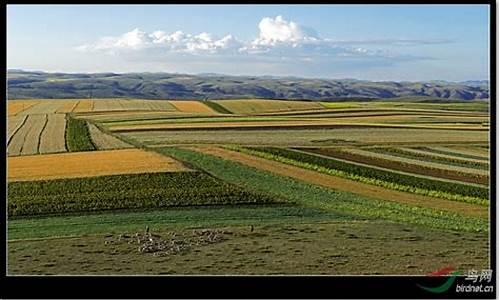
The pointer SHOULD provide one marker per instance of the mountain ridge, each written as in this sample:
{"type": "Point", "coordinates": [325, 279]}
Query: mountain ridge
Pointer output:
{"type": "Point", "coordinates": [37, 84]}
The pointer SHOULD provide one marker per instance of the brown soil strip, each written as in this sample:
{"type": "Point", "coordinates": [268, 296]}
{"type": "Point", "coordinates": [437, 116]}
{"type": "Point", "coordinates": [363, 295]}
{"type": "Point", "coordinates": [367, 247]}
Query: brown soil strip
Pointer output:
{"type": "Point", "coordinates": [344, 184]}
{"type": "Point", "coordinates": [400, 166]}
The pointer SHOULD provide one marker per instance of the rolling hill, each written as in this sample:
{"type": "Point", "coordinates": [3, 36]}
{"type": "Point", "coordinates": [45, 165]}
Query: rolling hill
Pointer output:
{"type": "Point", "coordinates": [25, 85]}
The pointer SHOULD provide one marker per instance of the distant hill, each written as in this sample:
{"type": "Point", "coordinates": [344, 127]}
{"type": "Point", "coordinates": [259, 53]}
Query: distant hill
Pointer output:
{"type": "Point", "coordinates": [24, 85]}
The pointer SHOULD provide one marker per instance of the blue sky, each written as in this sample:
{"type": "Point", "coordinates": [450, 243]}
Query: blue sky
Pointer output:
{"type": "Point", "coordinates": [375, 42]}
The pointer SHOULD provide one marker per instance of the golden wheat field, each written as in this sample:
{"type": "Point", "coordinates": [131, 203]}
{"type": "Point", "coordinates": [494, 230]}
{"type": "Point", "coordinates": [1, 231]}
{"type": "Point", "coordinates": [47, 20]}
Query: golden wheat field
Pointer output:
{"type": "Point", "coordinates": [89, 164]}
{"type": "Point", "coordinates": [16, 106]}
{"type": "Point", "coordinates": [191, 106]}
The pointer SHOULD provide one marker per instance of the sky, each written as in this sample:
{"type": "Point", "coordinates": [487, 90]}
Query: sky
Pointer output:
{"type": "Point", "coordinates": [371, 42]}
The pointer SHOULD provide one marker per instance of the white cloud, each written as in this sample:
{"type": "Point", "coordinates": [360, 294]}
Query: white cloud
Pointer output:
{"type": "Point", "coordinates": [278, 39]}
{"type": "Point", "coordinates": [174, 42]}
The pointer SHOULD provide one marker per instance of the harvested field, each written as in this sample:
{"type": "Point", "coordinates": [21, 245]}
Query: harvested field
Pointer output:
{"type": "Point", "coordinates": [160, 105]}
{"type": "Point", "coordinates": [108, 105]}
{"type": "Point", "coordinates": [89, 164]}
{"type": "Point", "coordinates": [53, 139]}
{"type": "Point", "coordinates": [326, 124]}
{"type": "Point", "coordinates": [407, 165]}
{"type": "Point", "coordinates": [84, 106]}
{"type": "Point", "coordinates": [25, 141]}
{"type": "Point", "coordinates": [14, 123]}
{"type": "Point", "coordinates": [192, 107]}
{"type": "Point", "coordinates": [344, 184]}
{"type": "Point", "coordinates": [316, 137]}
{"type": "Point", "coordinates": [252, 106]}
{"type": "Point", "coordinates": [16, 106]}
{"type": "Point", "coordinates": [105, 141]}
{"type": "Point", "coordinates": [44, 107]}
{"type": "Point", "coordinates": [67, 107]}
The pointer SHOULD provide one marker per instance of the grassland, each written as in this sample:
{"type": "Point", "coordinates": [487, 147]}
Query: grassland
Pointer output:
{"type": "Point", "coordinates": [290, 248]}
{"type": "Point", "coordinates": [384, 187]}
{"type": "Point", "coordinates": [94, 163]}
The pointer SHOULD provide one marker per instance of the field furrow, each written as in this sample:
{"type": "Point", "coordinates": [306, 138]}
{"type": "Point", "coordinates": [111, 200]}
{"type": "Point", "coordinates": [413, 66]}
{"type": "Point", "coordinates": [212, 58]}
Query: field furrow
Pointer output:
{"type": "Point", "coordinates": [44, 107]}
{"type": "Point", "coordinates": [105, 141]}
{"type": "Point", "coordinates": [344, 184]}
{"type": "Point", "coordinates": [53, 138]}
{"type": "Point", "coordinates": [67, 107]}
{"type": "Point", "coordinates": [32, 137]}
{"type": "Point", "coordinates": [16, 106]}
{"type": "Point", "coordinates": [14, 123]}
{"type": "Point", "coordinates": [84, 106]}
{"type": "Point", "coordinates": [26, 139]}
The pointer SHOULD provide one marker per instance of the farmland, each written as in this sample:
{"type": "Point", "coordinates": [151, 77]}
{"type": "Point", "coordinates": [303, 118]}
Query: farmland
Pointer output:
{"type": "Point", "coordinates": [280, 187]}
{"type": "Point", "coordinates": [95, 163]}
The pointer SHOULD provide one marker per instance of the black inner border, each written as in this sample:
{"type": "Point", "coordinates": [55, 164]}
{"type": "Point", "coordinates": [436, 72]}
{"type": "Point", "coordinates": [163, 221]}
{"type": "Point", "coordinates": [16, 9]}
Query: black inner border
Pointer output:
{"type": "Point", "coordinates": [306, 287]}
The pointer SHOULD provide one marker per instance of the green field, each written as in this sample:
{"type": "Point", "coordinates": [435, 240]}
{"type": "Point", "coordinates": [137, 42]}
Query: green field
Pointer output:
{"type": "Point", "coordinates": [350, 198]}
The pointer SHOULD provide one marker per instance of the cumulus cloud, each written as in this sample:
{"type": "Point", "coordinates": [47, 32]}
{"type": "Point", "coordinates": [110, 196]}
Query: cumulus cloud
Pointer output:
{"type": "Point", "coordinates": [277, 38]}
{"type": "Point", "coordinates": [177, 41]}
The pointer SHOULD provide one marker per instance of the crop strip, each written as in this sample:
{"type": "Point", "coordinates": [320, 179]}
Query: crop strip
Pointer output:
{"type": "Point", "coordinates": [252, 173]}
{"type": "Point", "coordinates": [217, 107]}
{"type": "Point", "coordinates": [53, 138]}
{"type": "Point", "coordinates": [386, 179]}
{"type": "Point", "coordinates": [78, 136]}
{"type": "Point", "coordinates": [401, 166]}
{"type": "Point", "coordinates": [140, 191]}
{"type": "Point", "coordinates": [32, 136]}
{"type": "Point", "coordinates": [452, 153]}
{"type": "Point", "coordinates": [288, 126]}
{"type": "Point", "coordinates": [20, 121]}
{"type": "Point", "coordinates": [412, 154]}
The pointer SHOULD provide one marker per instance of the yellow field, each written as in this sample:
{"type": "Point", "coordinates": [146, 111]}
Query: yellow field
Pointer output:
{"type": "Point", "coordinates": [16, 106]}
{"type": "Point", "coordinates": [89, 164]}
{"type": "Point", "coordinates": [257, 106]}
{"type": "Point", "coordinates": [68, 106]}
{"type": "Point", "coordinates": [84, 106]}
{"type": "Point", "coordinates": [191, 106]}
{"type": "Point", "coordinates": [306, 123]}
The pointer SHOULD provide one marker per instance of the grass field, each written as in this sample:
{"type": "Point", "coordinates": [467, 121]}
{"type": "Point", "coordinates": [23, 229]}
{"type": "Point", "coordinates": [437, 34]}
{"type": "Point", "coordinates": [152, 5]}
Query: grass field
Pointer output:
{"type": "Point", "coordinates": [246, 186]}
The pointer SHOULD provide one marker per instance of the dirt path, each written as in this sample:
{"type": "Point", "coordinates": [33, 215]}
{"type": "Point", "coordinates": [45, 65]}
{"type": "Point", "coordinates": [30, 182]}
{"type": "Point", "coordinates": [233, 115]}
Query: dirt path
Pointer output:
{"type": "Point", "coordinates": [344, 184]}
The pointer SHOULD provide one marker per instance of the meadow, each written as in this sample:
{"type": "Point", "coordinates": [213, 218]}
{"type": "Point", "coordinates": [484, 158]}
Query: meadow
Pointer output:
{"type": "Point", "coordinates": [246, 186]}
